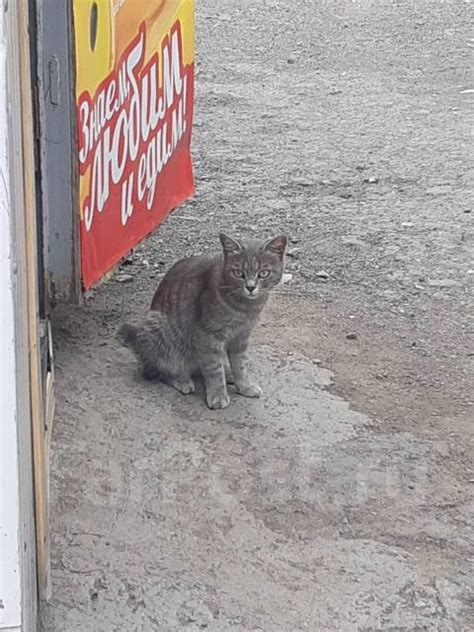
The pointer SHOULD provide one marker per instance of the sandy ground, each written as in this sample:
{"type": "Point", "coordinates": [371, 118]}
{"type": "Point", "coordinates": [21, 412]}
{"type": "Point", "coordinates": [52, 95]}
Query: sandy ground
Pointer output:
{"type": "Point", "coordinates": [343, 499]}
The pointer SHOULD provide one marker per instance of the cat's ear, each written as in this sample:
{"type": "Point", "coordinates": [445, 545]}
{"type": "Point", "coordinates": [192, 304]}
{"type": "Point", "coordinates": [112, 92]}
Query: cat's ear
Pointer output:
{"type": "Point", "coordinates": [276, 245]}
{"type": "Point", "coordinates": [229, 245]}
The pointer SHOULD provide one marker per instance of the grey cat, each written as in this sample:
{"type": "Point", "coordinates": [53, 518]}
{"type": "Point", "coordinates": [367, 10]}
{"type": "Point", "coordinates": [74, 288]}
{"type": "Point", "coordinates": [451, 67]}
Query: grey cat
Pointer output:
{"type": "Point", "coordinates": [202, 315]}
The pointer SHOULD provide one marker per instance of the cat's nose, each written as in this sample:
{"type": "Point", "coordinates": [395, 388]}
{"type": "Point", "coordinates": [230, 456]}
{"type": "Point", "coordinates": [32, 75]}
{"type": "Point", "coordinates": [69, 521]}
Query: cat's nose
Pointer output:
{"type": "Point", "coordinates": [250, 286]}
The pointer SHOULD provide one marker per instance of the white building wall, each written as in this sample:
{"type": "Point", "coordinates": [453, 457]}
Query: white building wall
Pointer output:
{"type": "Point", "coordinates": [14, 395]}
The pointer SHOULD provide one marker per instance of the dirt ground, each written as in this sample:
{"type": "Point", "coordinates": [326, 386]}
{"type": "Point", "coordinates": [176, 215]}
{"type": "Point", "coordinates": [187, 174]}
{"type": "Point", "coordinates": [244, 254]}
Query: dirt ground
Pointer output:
{"type": "Point", "coordinates": [343, 499]}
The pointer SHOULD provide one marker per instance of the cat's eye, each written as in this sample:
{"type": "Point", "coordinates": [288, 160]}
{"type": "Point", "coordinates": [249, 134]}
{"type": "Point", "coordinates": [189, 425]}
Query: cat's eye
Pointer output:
{"type": "Point", "coordinates": [263, 274]}
{"type": "Point", "coordinates": [238, 273]}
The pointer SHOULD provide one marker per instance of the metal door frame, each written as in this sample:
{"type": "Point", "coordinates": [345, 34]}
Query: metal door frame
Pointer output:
{"type": "Point", "coordinates": [54, 93]}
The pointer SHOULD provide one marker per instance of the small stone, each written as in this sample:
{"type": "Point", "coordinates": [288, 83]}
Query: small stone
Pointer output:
{"type": "Point", "coordinates": [302, 182]}
{"type": "Point", "coordinates": [443, 283]}
{"type": "Point", "coordinates": [101, 584]}
{"type": "Point", "coordinates": [371, 180]}
{"type": "Point", "coordinates": [441, 189]}
{"type": "Point", "coordinates": [322, 274]}
{"type": "Point", "coordinates": [351, 336]}
{"type": "Point", "coordinates": [407, 224]}
{"type": "Point", "coordinates": [317, 361]}
{"type": "Point", "coordinates": [293, 253]}
{"type": "Point", "coordinates": [286, 278]}
{"type": "Point", "coordinates": [345, 195]}
{"type": "Point", "coordinates": [124, 278]}
{"type": "Point", "coordinates": [290, 60]}
{"type": "Point", "coordinates": [421, 603]}
{"type": "Point", "coordinates": [335, 91]}
{"type": "Point", "coordinates": [294, 240]}
{"type": "Point", "coordinates": [353, 241]}
{"type": "Point", "coordinates": [467, 210]}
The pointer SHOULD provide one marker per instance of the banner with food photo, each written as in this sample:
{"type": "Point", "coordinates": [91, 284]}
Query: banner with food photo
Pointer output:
{"type": "Point", "coordinates": [134, 106]}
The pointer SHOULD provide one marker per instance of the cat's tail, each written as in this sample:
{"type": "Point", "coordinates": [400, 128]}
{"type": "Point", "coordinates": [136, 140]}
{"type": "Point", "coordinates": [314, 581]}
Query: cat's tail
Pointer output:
{"type": "Point", "coordinates": [127, 334]}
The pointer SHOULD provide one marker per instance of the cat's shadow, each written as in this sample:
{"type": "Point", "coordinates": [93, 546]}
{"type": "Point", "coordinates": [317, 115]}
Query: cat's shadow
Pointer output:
{"type": "Point", "coordinates": [193, 406]}
{"type": "Point", "coordinates": [138, 378]}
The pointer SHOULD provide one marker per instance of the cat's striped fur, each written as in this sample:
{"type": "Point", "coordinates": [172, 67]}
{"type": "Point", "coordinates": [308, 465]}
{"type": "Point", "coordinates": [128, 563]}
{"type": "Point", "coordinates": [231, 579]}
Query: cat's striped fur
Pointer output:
{"type": "Point", "coordinates": [202, 315]}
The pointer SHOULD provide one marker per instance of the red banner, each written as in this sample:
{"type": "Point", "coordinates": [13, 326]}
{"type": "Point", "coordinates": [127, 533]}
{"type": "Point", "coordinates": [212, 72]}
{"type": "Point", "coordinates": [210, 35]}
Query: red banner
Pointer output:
{"type": "Point", "coordinates": [134, 135]}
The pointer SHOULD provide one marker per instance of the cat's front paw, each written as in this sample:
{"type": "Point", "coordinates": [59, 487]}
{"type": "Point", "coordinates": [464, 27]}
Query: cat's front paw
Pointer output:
{"type": "Point", "coordinates": [247, 389]}
{"type": "Point", "coordinates": [229, 376]}
{"type": "Point", "coordinates": [215, 402]}
{"type": "Point", "coordinates": [185, 387]}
